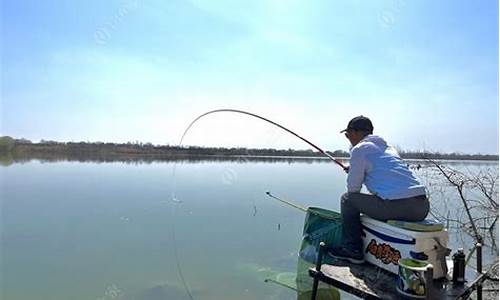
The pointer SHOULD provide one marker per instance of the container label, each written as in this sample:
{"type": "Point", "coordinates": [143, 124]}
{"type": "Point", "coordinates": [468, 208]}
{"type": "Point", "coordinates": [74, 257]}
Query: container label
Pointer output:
{"type": "Point", "coordinates": [383, 252]}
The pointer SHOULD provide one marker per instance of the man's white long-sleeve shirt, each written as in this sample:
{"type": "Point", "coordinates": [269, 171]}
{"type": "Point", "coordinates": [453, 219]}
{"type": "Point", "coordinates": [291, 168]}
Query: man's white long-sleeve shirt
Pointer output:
{"type": "Point", "coordinates": [379, 167]}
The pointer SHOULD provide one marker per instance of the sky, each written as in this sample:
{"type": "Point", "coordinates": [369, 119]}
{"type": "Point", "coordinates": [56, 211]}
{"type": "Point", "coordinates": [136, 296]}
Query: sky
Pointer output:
{"type": "Point", "coordinates": [425, 72]}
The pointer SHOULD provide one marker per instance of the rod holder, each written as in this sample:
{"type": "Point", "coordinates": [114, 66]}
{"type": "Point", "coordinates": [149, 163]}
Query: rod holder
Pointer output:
{"type": "Point", "coordinates": [479, 266]}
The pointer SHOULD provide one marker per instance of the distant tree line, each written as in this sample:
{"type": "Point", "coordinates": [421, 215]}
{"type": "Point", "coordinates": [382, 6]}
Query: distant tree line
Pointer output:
{"type": "Point", "coordinates": [23, 149]}
{"type": "Point", "coordinates": [446, 156]}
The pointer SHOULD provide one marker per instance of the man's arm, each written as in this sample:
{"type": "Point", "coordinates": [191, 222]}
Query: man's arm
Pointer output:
{"type": "Point", "coordinates": [356, 174]}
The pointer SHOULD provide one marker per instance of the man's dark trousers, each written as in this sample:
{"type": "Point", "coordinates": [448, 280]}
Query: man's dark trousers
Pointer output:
{"type": "Point", "coordinates": [412, 209]}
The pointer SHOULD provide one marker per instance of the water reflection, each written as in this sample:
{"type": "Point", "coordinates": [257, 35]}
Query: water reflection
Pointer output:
{"type": "Point", "coordinates": [7, 160]}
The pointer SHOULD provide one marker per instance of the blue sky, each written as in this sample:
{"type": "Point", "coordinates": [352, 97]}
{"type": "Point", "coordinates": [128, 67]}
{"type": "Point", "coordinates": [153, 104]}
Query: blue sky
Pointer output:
{"type": "Point", "coordinates": [425, 72]}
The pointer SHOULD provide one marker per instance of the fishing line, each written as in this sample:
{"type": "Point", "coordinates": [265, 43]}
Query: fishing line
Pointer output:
{"type": "Point", "coordinates": [176, 255]}
{"type": "Point", "coordinates": [176, 201]}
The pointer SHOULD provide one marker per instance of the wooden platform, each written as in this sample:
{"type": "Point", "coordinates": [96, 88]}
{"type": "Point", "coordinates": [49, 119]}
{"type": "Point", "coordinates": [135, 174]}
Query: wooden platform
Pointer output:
{"type": "Point", "coordinates": [365, 281]}
{"type": "Point", "coordinates": [370, 282]}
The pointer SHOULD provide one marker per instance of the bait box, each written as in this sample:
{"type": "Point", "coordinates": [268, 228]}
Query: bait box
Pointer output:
{"type": "Point", "coordinates": [384, 245]}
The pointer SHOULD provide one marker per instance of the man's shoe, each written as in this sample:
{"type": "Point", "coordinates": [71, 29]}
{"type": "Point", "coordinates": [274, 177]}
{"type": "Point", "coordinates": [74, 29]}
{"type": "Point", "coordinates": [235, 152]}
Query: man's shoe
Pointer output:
{"type": "Point", "coordinates": [353, 256]}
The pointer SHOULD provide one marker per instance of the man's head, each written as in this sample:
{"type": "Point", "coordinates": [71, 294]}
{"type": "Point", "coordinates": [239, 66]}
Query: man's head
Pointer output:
{"type": "Point", "coordinates": [357, 129]}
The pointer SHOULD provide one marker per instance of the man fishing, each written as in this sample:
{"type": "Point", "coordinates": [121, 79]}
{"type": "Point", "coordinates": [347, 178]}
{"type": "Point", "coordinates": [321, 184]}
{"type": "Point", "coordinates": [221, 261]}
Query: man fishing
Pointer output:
{"type": "Point", "coordinates": [396, 194]}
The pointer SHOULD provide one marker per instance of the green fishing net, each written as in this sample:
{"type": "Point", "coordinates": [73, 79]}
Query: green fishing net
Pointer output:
{"type": "Point", "coordinates": [320, 225]}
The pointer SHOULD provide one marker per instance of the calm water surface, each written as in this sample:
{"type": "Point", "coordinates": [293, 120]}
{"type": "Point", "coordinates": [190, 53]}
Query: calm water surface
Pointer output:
{"type": "Point", "coordinates": [106, 231]}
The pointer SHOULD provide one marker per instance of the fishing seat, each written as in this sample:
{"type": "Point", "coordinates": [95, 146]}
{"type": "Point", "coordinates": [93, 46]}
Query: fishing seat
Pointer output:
{"type": "Point", "coordinates": [385, 243]}
{"type": "Point", "coordinates": [427, 225]}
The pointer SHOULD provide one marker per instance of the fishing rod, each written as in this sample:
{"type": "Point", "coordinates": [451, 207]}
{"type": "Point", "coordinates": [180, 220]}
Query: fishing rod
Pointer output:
{"type": "Point", "coordinates": [294, 205]}
{"type": "Point", "coordinates": [287, 202]}
{"type": "Point", "coordinates": [269, 121]}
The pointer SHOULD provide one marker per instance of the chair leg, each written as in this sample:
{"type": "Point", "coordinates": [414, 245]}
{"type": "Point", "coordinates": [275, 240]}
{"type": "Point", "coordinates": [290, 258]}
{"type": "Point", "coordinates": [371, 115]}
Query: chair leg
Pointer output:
{"type": "Point", "coordinates": [321, 252]}
{"type": "Point", "coordinates": [429, 277]}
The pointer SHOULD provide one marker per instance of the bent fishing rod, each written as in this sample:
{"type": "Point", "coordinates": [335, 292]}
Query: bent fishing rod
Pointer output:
{"type": "Point", "coordinates": [269, 121]}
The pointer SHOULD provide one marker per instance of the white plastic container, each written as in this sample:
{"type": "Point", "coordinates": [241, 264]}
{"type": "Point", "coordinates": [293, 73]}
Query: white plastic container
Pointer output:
{"type": "Point", "coordinates": [411, 280]}
{"type": "Point", "coordinates": [384, 245]}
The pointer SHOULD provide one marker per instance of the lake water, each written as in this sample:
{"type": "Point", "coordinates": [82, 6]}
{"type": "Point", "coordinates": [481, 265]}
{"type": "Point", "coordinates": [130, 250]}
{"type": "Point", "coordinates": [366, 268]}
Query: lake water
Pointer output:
{"type": "Point", "coordinates": [86, 230]}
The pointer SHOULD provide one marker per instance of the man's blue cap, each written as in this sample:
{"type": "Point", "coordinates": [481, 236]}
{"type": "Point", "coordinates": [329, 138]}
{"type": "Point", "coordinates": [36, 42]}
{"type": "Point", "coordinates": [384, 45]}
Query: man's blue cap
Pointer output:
{"type": "Point", "coordinates": [359, 123]}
